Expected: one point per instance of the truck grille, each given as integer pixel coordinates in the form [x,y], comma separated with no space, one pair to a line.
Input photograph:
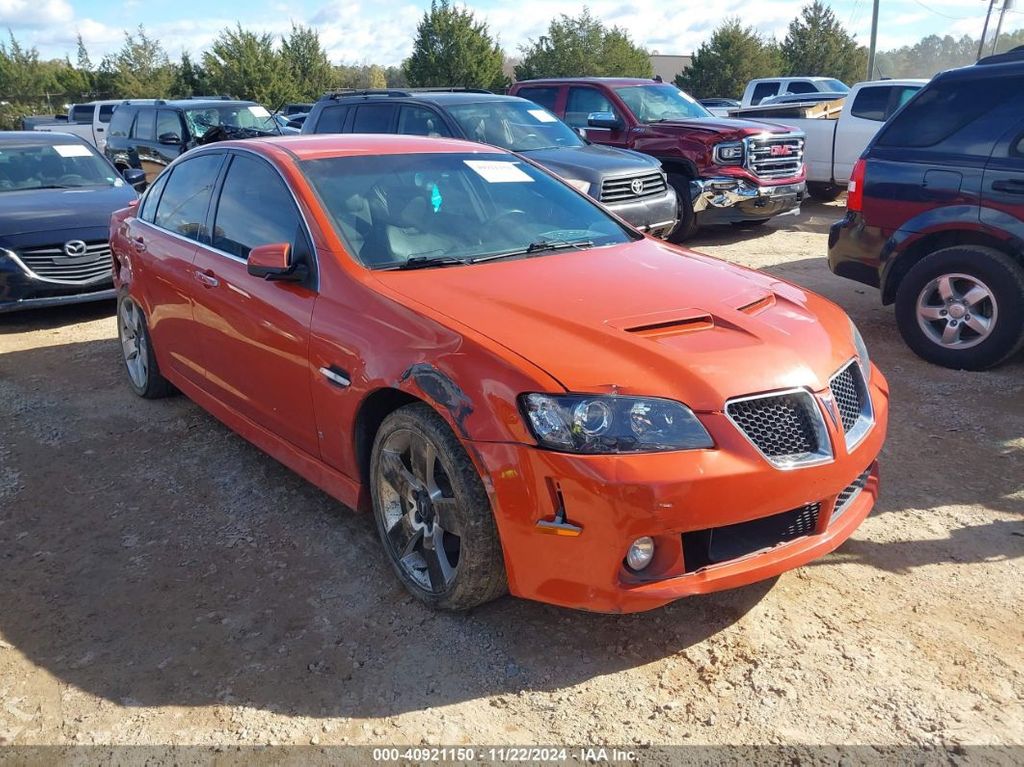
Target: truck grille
[849,494]
[854,404]
[775,156]
[621,189]
[54,265]
[787,428]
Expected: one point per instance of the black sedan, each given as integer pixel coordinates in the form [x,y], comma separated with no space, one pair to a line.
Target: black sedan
[56,196]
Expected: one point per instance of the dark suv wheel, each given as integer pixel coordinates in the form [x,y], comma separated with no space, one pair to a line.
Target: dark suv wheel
[963,307]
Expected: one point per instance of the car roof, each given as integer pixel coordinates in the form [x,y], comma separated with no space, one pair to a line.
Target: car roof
[187,103]
[606,80]
[41,138]
[1001,65]
[436,97]
[324,145]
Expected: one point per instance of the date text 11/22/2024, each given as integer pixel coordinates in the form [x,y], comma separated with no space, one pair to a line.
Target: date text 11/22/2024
[554,754]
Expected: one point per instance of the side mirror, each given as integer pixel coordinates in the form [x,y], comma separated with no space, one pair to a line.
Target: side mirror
[274,262]
[169,138]
[136,177]
[603,120]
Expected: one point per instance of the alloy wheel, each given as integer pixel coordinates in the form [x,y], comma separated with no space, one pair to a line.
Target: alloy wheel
[133,343]
[956,311]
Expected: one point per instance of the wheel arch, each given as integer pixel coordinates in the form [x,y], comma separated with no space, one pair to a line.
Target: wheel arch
[375,407]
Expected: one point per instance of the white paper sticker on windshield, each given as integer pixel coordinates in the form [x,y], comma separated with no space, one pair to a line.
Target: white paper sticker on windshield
[542,116]
[72,150]
[259,111]
[498,172]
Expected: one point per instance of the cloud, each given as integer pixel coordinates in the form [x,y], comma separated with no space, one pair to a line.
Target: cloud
[28,14]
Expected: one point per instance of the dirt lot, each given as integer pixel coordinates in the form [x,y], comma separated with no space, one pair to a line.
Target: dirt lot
[161,581]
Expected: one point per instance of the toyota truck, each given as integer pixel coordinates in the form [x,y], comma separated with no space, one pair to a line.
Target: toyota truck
[724,171]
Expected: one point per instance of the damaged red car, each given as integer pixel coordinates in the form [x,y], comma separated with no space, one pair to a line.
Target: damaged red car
[527,394]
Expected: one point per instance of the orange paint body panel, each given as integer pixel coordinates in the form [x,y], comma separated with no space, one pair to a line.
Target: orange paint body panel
[642,319]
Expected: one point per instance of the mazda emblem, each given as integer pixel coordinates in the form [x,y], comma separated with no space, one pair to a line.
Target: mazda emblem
[637,186]
[74,248]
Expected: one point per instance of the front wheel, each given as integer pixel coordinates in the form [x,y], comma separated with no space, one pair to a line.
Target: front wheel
[963,307]
[432,512]
[687,226]
[137,351]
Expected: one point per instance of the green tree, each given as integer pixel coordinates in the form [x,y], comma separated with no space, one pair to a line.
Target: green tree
[23,77]
[308,66]
[453,48]
[141,68]
[726,62]
[244,65]
[818,45]
[190,79]
[583,46]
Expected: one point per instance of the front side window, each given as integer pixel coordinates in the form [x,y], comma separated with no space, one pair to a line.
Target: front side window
[871,103]
[801,86]
[106,112]
[82,113]
[654,103]
[519,125]
[254,208]
[121,121]
[393,210]
[581,102]
[168,122]
[145,125]
[186,196]
[420,121]
[66,165]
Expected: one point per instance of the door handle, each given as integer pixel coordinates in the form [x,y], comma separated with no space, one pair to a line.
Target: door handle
[208,279]
[138,244]
[336,376]
[1010,186]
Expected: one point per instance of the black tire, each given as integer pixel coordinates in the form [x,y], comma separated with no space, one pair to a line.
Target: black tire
[750,224]
[996,273]
[152,384]
[824,192]
[479,566]
[687,226]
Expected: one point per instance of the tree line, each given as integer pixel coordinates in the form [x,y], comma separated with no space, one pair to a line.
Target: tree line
[451,47]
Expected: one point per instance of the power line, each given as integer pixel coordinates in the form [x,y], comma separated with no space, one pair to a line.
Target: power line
[944,15]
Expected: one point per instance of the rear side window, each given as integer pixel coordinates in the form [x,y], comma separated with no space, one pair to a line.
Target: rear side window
[879,103]
[106,112]
[82,113]
[186,196]
[121,122]
[420,121]
[255,208]
[332,120]
[373,118]
[145,125]
[546,97]
[801,86]
[763,91]
[946,107]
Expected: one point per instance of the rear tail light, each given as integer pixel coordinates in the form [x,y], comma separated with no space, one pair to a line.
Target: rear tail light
[855,190]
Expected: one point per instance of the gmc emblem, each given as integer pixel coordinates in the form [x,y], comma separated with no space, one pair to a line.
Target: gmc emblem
[781,150]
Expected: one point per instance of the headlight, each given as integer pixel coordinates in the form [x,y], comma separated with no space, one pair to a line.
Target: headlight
[576,183]
[594,423]
[862,352]
[729,153]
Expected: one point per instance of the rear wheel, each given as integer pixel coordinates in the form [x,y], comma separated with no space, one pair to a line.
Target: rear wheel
[687,226]
[432,512]
[963,307]
[824,192]
[137,351]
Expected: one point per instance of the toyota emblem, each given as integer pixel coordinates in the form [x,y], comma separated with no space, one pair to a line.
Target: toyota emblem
[637,186]
[74,248]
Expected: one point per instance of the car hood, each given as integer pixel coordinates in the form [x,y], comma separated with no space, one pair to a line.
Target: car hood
[28,213]
[722,125]
[592,161]
[645,319]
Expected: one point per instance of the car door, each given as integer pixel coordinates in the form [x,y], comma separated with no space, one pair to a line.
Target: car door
[171,222]
[871,107]
[1002,193]
[254,333]
[144,141]
[580,102]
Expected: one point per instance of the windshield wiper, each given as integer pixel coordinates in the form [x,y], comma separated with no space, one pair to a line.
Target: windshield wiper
[535,248]
[425,262]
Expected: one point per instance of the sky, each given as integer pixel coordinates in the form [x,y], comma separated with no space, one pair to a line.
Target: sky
[364,31]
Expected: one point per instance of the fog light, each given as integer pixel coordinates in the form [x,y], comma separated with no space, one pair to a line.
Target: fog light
[640,553]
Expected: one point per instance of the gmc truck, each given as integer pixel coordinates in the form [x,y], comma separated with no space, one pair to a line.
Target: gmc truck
[724,171]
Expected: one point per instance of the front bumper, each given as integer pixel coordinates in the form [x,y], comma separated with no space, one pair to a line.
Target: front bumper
[21,290]
[727,199]
[566,521]
[657,215]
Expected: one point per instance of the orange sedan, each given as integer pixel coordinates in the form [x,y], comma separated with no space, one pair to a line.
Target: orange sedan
[529,395]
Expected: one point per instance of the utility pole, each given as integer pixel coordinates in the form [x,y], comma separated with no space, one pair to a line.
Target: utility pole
[1007,6]
[984,30]
[874,40]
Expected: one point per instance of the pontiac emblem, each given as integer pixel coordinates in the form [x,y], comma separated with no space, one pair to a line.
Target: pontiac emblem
[74,248]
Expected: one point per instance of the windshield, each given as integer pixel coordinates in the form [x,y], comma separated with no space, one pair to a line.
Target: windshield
[390,209]
[251,116]
[654,102]
[836,86]
[518,126]
[36,166]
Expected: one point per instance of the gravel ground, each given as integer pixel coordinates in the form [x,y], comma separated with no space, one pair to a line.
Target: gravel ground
[163,582]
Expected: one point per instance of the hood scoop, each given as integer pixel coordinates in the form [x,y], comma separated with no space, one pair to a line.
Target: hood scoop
[758,305]
[666,323]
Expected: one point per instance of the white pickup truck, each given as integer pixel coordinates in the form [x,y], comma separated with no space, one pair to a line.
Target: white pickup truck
[90,121]
[834,143]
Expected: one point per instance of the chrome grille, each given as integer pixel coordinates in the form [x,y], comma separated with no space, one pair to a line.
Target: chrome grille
[786,427]
[775,156]
[620,189]
[53,265]
[853,401]
[850,493]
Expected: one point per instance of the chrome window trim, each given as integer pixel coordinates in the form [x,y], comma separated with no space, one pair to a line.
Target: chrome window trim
[821,429]
[866,419]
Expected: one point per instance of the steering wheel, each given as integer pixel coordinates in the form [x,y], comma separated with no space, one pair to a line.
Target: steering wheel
[70,179]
